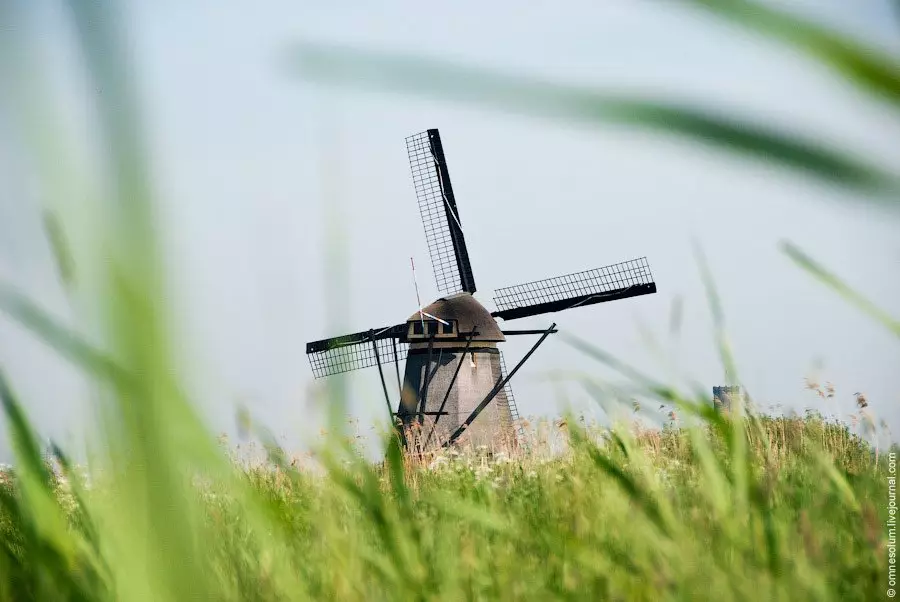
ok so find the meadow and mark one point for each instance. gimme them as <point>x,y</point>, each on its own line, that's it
<point>708,506</point>
<point>729,507</point>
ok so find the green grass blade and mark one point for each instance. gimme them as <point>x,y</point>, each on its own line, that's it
<point>651,504</point>
<point>381,517</point>
<point>65,264</point>
<point>716,486</point>
<point>28,452</point>
<point>840,484</point>
<point>820,273</point>
<point>740,460</point>
<point>66,342</point>
<point>718,316</point>
<point>868,69</point>
<point>449,81</point>
<point>642,498</point>
<point>48,541</point>
<point>593,351</point>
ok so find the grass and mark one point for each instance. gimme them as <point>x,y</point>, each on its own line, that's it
<point>744,507</point>
<point>627,513</point>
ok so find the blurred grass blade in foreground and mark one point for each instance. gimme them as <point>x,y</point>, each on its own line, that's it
<point>840,287</point>
<point>865,67</point>
<point>450,81</point>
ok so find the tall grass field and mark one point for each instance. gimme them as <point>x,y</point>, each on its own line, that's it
<point>756,509</point>
<point>707,505</point>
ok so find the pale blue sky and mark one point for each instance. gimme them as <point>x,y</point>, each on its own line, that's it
<point>247,158</point>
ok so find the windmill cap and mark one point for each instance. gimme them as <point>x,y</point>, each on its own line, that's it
<point>469,315</point>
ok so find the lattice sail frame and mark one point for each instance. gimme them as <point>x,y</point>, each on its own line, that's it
<point>440,215</point>
<point>511,401</point>
<point>617,281</point>
<point>356,351</point>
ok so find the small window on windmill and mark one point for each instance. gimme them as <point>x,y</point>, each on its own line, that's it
<point>421,329</point>
<point>450,330</point>
<point>425,329</point>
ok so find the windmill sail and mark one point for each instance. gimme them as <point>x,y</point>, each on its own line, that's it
<point>440,216</point>
<point>515,419</point>
<point>358,350</point>
<point>618,281</point>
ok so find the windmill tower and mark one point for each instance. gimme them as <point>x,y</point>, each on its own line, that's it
<point>455,387</point>
<point>724,397</point>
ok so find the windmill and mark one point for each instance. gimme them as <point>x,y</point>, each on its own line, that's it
<point>455,387</point>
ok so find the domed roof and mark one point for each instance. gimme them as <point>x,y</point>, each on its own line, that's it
<point>469,314</point>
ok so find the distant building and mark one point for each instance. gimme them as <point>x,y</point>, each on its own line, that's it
<point>724,396</point>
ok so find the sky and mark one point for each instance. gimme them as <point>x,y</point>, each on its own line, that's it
<point>267,182</point>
